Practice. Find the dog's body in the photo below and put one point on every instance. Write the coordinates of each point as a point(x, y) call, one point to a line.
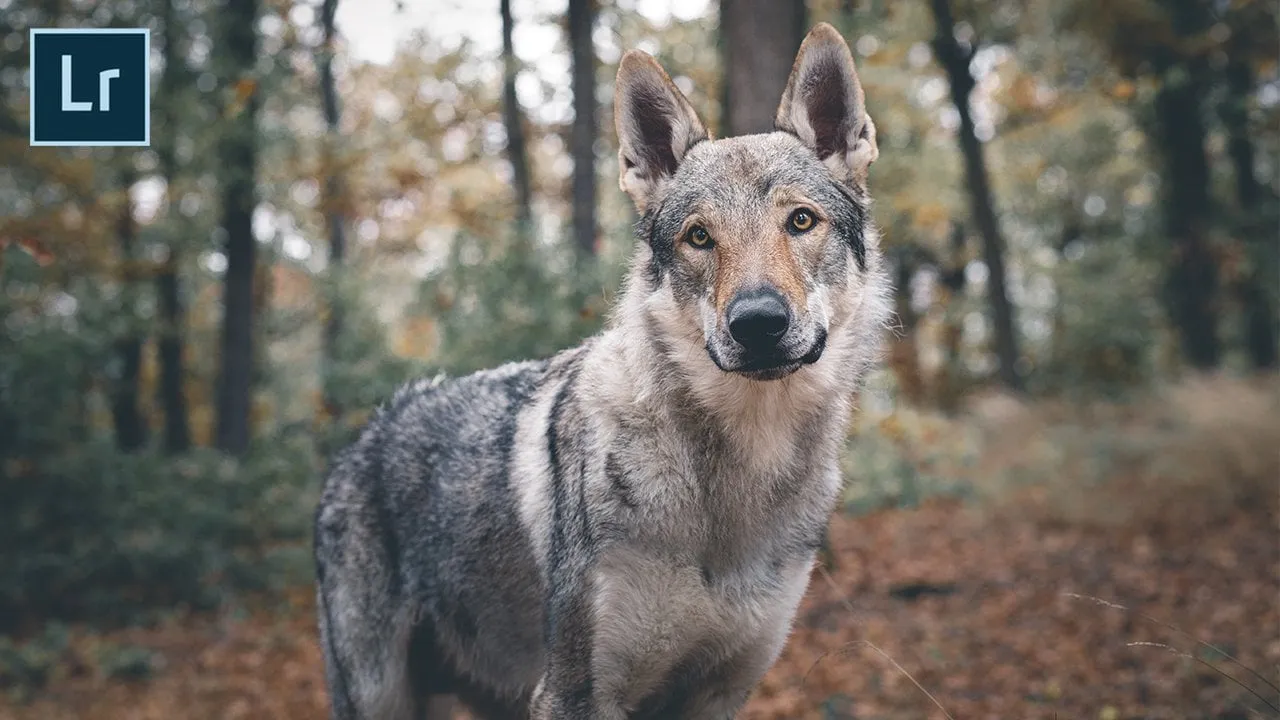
point(625, 530)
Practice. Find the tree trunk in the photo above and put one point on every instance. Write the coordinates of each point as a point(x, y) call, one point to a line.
point(904, 356)
point(1259, 314)
point(131, 429)
point(237, 158)
point(1193, 275)
point(517, 155)
point(759, 40)
point(1178, 135)
point(952, 280)
point(172, 395)
point(582, 144)
point(955, 61)
point(335, 206)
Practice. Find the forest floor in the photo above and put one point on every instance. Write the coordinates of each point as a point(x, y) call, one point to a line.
point(970, 604)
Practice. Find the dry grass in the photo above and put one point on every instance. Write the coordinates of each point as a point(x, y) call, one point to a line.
point(1200, 448)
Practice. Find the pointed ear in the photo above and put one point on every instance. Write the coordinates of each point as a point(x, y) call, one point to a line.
point(823, 105)
point(656, 126)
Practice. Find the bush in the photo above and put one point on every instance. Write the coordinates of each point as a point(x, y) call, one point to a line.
point(108, 536)
point(1108, 327)
point(501, 301)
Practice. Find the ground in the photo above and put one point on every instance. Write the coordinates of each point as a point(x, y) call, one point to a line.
point(973, 606)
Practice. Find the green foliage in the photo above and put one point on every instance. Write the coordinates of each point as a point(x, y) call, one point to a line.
point(1106, 335)
point(904, 459)
point(498, 302)
point(108, 536)
point(127, 662)
point(97, 533)
point(29, 664)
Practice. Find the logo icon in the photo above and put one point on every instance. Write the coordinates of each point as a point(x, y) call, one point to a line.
point(90, 87)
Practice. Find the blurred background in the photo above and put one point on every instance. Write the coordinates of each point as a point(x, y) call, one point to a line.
point(1062, 485)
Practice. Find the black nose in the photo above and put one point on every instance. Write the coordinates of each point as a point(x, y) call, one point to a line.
point(758, 318)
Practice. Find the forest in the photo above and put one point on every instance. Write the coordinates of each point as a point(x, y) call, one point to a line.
point(1063, 485)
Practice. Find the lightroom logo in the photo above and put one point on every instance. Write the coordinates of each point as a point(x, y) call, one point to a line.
point(90, 87)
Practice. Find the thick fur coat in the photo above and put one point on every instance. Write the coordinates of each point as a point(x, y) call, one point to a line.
point(626, 529)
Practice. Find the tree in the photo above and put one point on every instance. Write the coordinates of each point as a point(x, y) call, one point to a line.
point(512, 118)
point(1163, 40)
point(172, 397)
point(334, 202)
point(1252, 38)
point(955, 60)
point(582, 140)
point(237, 171)
point(759, 40)
point(130, 426)
point(1180, 136)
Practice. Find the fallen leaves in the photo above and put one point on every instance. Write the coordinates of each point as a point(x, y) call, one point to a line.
point(988, 612)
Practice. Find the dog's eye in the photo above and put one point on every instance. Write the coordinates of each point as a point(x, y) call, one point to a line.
point(802, 220)
point(699, 237)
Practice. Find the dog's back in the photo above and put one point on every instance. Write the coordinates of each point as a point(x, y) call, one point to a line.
point(423, 570)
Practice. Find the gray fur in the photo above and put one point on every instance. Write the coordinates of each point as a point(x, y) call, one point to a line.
point(626, 529)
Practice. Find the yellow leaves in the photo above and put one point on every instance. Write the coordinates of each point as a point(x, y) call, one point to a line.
point(1023, 93)
point(241, 92)
point(930, 215)
point(892, 427)
point(416, 338)
point(1123, 90)
point(33, 247)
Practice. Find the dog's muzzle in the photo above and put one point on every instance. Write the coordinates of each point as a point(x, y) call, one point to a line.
point(774, 364)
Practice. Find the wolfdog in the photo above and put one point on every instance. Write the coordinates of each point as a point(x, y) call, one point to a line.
point(626, 529)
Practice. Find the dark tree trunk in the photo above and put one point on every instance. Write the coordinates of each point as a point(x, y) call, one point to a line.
point(953, 280)
point(955, 61)
point(517, 155)
point(172, 395)
point(1179, 135)
point(131, 429)
point(1191, 284)
point(335, 206)
point(903, 352)
point(1259, 313)
point(582, 141)
point(759, 40)
point(238, 159)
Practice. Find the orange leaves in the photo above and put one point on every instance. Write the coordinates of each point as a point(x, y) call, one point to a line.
point(36, 249)
point(241, 92)
point(1002, 640)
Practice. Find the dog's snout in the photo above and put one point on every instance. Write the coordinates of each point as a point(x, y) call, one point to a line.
point(758, 318)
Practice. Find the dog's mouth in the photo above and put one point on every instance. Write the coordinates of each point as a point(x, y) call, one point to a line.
point(773, 366)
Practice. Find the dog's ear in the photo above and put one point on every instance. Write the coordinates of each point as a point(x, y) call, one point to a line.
point(656, 126)
point(823, 105)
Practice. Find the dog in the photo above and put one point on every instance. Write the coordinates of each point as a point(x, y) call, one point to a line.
point(626, 529)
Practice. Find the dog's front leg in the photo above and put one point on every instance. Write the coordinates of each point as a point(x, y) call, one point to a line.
point(567, 690)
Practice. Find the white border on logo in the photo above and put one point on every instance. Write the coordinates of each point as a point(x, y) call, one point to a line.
point(146, 87)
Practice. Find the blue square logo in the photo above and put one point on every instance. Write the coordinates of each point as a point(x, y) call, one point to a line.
point(91, 87)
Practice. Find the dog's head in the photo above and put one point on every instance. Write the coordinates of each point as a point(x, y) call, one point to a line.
point(761, 240)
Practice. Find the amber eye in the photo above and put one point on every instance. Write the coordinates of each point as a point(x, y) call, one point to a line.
point(802, 220)
point(699, 237)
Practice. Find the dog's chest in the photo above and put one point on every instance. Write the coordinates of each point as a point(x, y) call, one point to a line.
point(656, 618)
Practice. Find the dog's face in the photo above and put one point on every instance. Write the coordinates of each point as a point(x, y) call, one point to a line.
point(755, 236)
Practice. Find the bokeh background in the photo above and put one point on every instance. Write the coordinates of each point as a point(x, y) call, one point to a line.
point(1062, 487)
